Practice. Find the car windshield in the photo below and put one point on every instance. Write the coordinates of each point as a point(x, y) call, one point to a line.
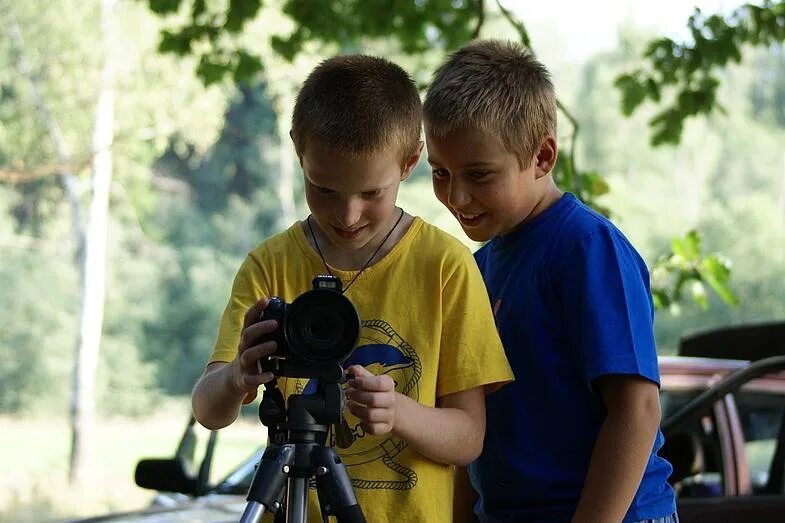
point(239, 481)
point(761, 415)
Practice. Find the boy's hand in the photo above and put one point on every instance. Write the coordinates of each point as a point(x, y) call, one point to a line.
point(247, 375)
point(372, 399)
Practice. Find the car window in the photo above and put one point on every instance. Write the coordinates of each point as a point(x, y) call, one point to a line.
point(693, 451)
point(761, 415)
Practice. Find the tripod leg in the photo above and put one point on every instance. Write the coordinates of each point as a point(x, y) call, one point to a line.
point(297, 500)
point(267, 487)
point(336, 495)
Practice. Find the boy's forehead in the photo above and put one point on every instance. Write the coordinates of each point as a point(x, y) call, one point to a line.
point(337, 171)
point(467, 148)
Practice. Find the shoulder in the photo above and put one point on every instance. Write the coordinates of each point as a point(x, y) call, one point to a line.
point(584, 229)
point(273, 247)
point(434, 251)
point(434, 243)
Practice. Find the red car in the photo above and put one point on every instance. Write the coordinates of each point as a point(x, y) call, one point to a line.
point(724, 424)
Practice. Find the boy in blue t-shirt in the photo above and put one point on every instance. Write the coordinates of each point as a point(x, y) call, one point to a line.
point(575, 437)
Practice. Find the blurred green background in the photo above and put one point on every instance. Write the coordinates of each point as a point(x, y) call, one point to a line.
point(144, 150)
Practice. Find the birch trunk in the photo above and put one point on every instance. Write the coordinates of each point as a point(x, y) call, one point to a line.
point(94, 268)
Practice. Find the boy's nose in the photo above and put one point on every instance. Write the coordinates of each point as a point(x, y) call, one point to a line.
point(457, 195)
point(349, 213)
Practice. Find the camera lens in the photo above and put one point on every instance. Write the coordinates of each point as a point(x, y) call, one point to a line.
point(323, 325)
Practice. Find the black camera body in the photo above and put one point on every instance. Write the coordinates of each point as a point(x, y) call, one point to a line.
point(316, 332)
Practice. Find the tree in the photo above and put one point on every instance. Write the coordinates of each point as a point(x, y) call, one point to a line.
point(213, 33)
point(687, 72)
point(90, 240)
point(68, 137)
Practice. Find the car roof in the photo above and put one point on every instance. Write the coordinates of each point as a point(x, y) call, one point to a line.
point(743, 342)
point(691, 373)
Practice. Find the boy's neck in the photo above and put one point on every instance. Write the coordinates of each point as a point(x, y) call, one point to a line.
point(355, 259)
point(550, 195)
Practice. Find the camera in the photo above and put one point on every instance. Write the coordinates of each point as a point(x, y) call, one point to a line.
point(315, 333)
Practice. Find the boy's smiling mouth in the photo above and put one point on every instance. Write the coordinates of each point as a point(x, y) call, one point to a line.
point(469, 220)
point(348, 234)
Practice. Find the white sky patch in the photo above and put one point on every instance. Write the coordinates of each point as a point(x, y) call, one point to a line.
point(583, 28)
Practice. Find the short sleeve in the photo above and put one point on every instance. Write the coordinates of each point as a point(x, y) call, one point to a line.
point(609, 308)
point(471, 352)
point(247, 288)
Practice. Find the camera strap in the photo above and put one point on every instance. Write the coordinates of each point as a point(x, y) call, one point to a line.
point(327, 267)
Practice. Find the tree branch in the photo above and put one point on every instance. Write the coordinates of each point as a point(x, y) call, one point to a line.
point(22, 175)
point(517, 24)
point(480, 4)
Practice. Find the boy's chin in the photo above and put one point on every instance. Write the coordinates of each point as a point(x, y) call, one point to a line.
point(477, 236)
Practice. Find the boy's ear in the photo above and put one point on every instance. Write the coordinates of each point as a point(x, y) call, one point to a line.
point(411, 162)
point(546, 156)
point(296, 152)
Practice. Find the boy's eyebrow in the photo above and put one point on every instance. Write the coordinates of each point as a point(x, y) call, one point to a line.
point(478, 164)
point(371, 189)
point(471, 165)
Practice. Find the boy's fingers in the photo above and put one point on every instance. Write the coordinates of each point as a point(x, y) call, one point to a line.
point(257, 380)
point(373, 383)
point(251, 355)
point(371, 399)
point(254, 312)
point(358, 370)
point(373, 421)
point(252, 333)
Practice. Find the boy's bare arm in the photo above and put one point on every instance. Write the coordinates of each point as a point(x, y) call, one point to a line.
point(451, 433)
point(224, 387)
point(622, 449)
point(215, 402)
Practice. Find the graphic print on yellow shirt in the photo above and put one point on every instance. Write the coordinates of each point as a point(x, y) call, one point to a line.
point(382, 351)
point(426, 322)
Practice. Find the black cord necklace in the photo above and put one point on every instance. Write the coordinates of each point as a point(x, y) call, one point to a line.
point(316, 244)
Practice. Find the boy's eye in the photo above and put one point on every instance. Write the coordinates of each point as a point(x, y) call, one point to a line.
point(370, 195)
point(440, 174)
point(324, 190)
point(479, 175)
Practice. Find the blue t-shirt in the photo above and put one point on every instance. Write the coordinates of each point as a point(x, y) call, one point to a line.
point(572, 303)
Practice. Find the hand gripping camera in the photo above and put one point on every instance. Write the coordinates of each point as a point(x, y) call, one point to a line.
point(316, 332)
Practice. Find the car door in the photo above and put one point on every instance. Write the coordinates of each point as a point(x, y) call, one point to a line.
point(727, 445)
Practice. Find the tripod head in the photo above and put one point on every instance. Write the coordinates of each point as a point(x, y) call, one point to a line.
point(308, 417)
point(297, 430)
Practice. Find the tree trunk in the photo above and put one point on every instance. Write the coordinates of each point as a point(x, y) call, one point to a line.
point(91, 312)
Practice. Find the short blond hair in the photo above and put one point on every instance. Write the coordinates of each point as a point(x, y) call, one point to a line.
point(495, 86)
point(358, 105)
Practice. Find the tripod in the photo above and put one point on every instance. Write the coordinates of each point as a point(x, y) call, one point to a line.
point(297, 454)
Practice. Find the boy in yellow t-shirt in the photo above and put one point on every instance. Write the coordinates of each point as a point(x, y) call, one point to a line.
point(428, 347)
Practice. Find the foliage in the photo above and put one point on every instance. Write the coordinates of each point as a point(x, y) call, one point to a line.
point(36, 331)
point(689, 71)
point(686, 267)
point(196, 172)
point(211, 31)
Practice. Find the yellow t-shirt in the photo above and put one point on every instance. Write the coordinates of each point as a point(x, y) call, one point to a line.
point(426, 321)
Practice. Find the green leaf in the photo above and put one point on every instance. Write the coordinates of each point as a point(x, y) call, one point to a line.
point(240, 12)
point(247, 67)
point(699, 296)
point(633, 91)
point(176, 43)
point(164, 7)
point(716, 273)
point(212, 70)
point(687, 247)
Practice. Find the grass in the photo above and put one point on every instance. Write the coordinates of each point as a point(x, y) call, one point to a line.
point(34, 458)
